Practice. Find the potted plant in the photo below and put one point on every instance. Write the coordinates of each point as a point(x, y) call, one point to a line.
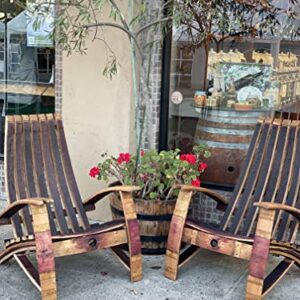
point(156, 173)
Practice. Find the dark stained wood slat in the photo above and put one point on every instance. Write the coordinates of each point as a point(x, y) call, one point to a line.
point(68, 169)
point(122, 256)
point(29, 269)
point(39, 169)
point(20, 174)
point(61, 180)
point(50, 176)
point(275, 175)
point(251, 181)
point(9, 169)
point(293, 192)
point(276, 275)
point(287, 171)
point(240, 182)
point(268, 160)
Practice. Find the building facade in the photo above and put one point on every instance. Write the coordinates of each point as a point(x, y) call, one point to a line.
point(244, 80)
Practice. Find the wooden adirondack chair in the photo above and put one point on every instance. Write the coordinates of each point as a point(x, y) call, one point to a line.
point(262, 216)
point(45, 207)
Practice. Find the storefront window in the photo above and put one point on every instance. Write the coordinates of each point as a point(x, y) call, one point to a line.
point(26, 67)
point(217, 98)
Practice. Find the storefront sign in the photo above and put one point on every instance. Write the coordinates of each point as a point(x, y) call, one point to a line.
point(40, 18)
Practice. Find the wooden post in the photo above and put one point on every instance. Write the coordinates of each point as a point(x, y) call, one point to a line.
point(133, 233)
point(260, 254)
point(175, 233)
point(44, 252)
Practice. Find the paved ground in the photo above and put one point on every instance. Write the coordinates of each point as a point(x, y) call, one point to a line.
point(99, 275)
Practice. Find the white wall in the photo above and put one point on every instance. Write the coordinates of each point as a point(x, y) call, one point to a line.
point(98, 113)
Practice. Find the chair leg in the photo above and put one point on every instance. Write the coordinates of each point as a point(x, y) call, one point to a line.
point(133, 234)
point(44, 252)
point(175, 234)
point(259, 256)
point(171, 264)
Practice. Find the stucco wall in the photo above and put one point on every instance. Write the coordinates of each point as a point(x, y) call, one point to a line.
point(98, 113)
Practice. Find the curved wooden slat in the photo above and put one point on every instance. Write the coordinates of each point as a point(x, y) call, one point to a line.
point(60, 176)
point(242, 178)
point(260, 189)
point(41, 189)
point(105, 192)
point(9, 157)
point(69, 173)
point(50, 175)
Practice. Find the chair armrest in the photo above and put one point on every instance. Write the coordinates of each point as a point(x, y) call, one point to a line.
point(14, 207)
point(222, 202)
point(89, 204)
point(276, 206)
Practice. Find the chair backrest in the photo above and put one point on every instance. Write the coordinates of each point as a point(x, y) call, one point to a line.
point(37, 164)
point(271, 173)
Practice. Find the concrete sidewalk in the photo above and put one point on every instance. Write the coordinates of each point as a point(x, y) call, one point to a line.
point(98, 275)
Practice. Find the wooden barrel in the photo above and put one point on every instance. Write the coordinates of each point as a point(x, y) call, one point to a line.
point(228, 134)
point(154, 217)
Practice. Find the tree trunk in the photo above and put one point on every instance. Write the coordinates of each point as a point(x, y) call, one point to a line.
point(206, 46)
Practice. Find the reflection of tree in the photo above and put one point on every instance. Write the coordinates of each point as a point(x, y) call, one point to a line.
point(212, 22)
point(12, 7)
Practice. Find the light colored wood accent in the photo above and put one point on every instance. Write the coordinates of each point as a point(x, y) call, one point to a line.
point(277, 206)
point(17, 205)
point(254, 288)
point(208, 192)
point(80, 244)
point(265, 223)
point(44, 252)
point(106, 191)
point(171, 265)
point(136, 271)
point(28, 89)
point(225, 245)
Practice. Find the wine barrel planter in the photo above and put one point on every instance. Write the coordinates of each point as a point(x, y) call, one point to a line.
point(154, 217)
point(228, 134)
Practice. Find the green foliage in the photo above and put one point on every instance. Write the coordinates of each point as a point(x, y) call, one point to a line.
point(156, 172)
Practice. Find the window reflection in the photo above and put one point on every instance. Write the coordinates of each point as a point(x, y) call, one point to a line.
point(26, 70)
point(224, 95)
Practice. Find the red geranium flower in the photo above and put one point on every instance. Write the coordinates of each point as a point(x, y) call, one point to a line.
point(94, 171)
point(124, 157)
point(196, 182)
point(190, 158)
point(202, 166)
